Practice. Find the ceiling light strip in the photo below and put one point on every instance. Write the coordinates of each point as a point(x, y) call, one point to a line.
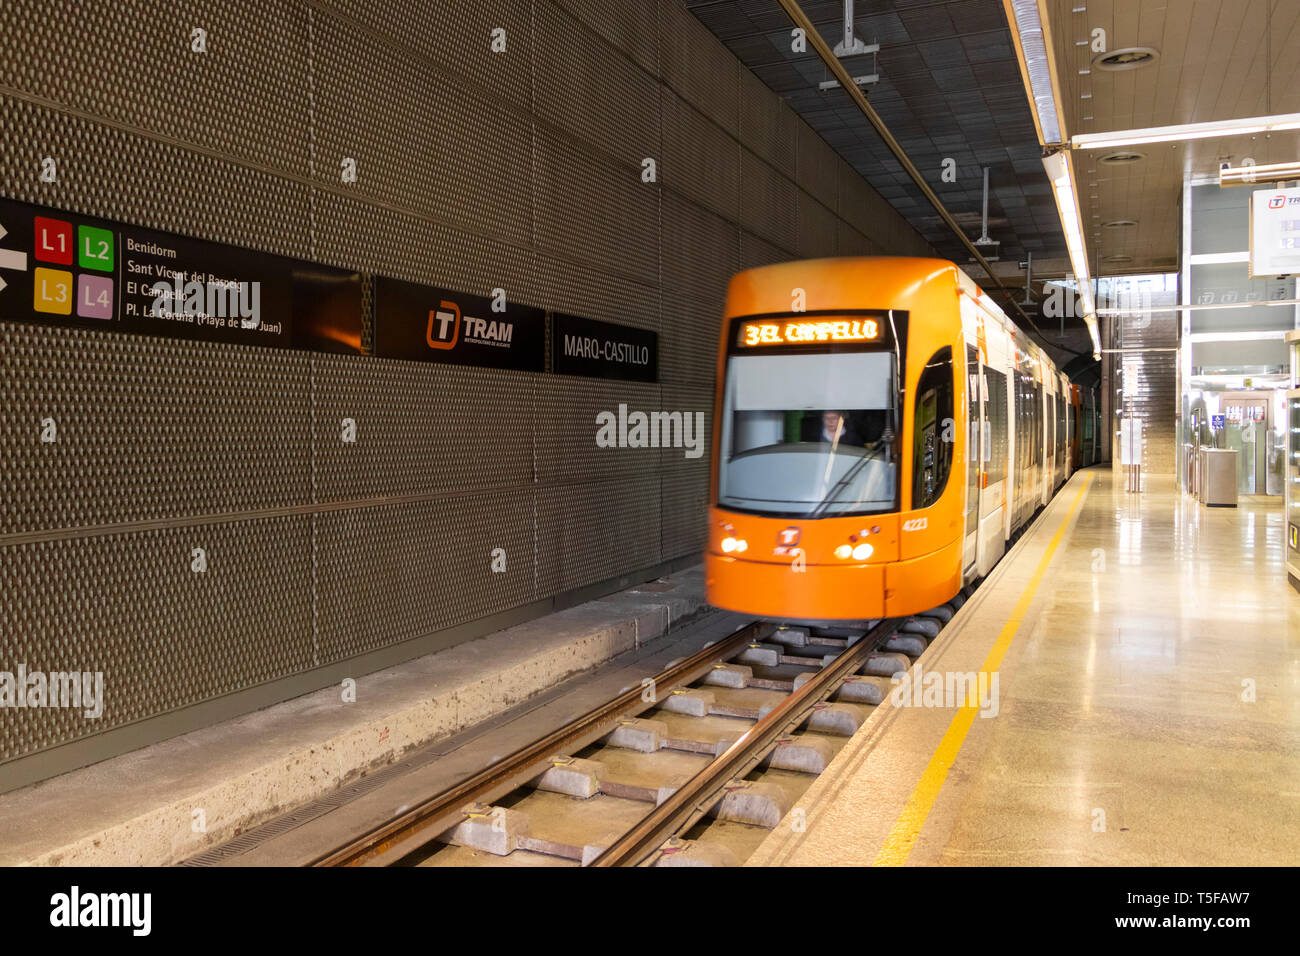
point(1033, 50)
point(1061, 175)
point(1171, 134)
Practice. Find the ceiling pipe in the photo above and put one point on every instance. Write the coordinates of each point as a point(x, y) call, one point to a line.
point(832, 62)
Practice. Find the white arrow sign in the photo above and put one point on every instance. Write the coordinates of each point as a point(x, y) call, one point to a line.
point(11, 258)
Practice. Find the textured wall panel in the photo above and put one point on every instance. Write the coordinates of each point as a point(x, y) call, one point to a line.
point(700, 160)
point(593, 92)
point(396, 572)
point(631, 27)
point(685, 479)
point(164, 637)
point(588, 290)
point(471, 167)
point(688, 398)
point(616, 532)
point(455, 35)
point(131, 61)
point(698, 68)
point(857, 201)
point(147, 428)
point(685, 509)
point(698, 262)
point(412, 437)
point(771, 202)
point(817, 228)
point(755, 252)
point(766, 126)
point(818, 167)
point(355, 234)
point(106, 172)
point(596, 212)
point(567, 406)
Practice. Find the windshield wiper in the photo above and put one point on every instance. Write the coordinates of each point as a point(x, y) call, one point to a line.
point(849, 475)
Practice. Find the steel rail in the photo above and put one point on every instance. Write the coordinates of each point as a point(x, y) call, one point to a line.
point(702, 791)
point(417, 826)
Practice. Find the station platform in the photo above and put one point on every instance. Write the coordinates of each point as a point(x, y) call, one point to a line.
point(169, 802)
point(1145, 712)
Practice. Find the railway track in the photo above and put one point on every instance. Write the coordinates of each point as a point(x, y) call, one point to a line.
point(693, 767)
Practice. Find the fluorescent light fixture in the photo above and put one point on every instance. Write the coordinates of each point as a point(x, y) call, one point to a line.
point(1249, 175)
point(1201, 307)
point(1235, 336)
point(1058, 171)
point(1243, 126)
point(1037, 66)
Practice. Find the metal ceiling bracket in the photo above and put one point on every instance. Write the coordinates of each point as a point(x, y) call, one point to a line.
point(1028, 266)
point(984, 241)
point(850, 45)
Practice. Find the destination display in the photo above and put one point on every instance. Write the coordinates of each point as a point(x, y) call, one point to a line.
point(427, 324)
point(603, 350)
point(63, 268)
point(812, 331)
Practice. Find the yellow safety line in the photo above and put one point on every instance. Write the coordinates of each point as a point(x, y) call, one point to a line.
point(902, 837)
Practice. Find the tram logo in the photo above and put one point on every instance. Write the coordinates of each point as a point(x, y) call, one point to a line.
point(1277, 202)
point(787, 537)
point(444, 326)
point(446, 323)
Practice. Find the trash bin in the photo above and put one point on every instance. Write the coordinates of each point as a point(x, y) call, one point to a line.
point(1220, 488)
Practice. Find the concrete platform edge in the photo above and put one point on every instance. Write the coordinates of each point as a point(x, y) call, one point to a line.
point(166, 802)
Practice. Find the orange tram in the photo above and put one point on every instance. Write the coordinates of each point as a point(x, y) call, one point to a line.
point(883, 430)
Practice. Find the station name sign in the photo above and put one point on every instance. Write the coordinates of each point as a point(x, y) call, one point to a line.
point(61, 268)
point(603, 350)
point(759, 333)
point(427, 324)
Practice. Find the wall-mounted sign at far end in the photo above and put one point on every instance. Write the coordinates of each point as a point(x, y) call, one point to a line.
point(426, 324)
point(1274, 232)
point(603, 350)
point(63, 268)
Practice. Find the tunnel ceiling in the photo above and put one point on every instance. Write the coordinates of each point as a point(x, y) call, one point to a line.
point(949, 88)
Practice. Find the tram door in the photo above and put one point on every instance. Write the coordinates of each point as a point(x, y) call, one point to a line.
point(974, 459)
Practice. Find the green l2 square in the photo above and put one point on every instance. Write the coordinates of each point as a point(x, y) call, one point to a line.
point(95, 248)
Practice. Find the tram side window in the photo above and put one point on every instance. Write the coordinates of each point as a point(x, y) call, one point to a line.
point(996, 410)
point(1049, 424)
point(932, 437)
point(1061, 443)
point(1022, 419)
point(1038, 424)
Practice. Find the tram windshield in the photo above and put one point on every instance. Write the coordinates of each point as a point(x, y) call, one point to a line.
point(809, 435)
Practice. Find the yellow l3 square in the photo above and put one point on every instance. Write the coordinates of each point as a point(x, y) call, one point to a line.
point(52, 291)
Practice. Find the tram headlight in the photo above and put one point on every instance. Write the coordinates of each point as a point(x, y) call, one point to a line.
point(738, 545)
point(862, 552)
point(844, 552)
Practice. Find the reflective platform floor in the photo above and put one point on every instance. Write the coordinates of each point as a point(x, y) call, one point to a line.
point(1146, 709)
